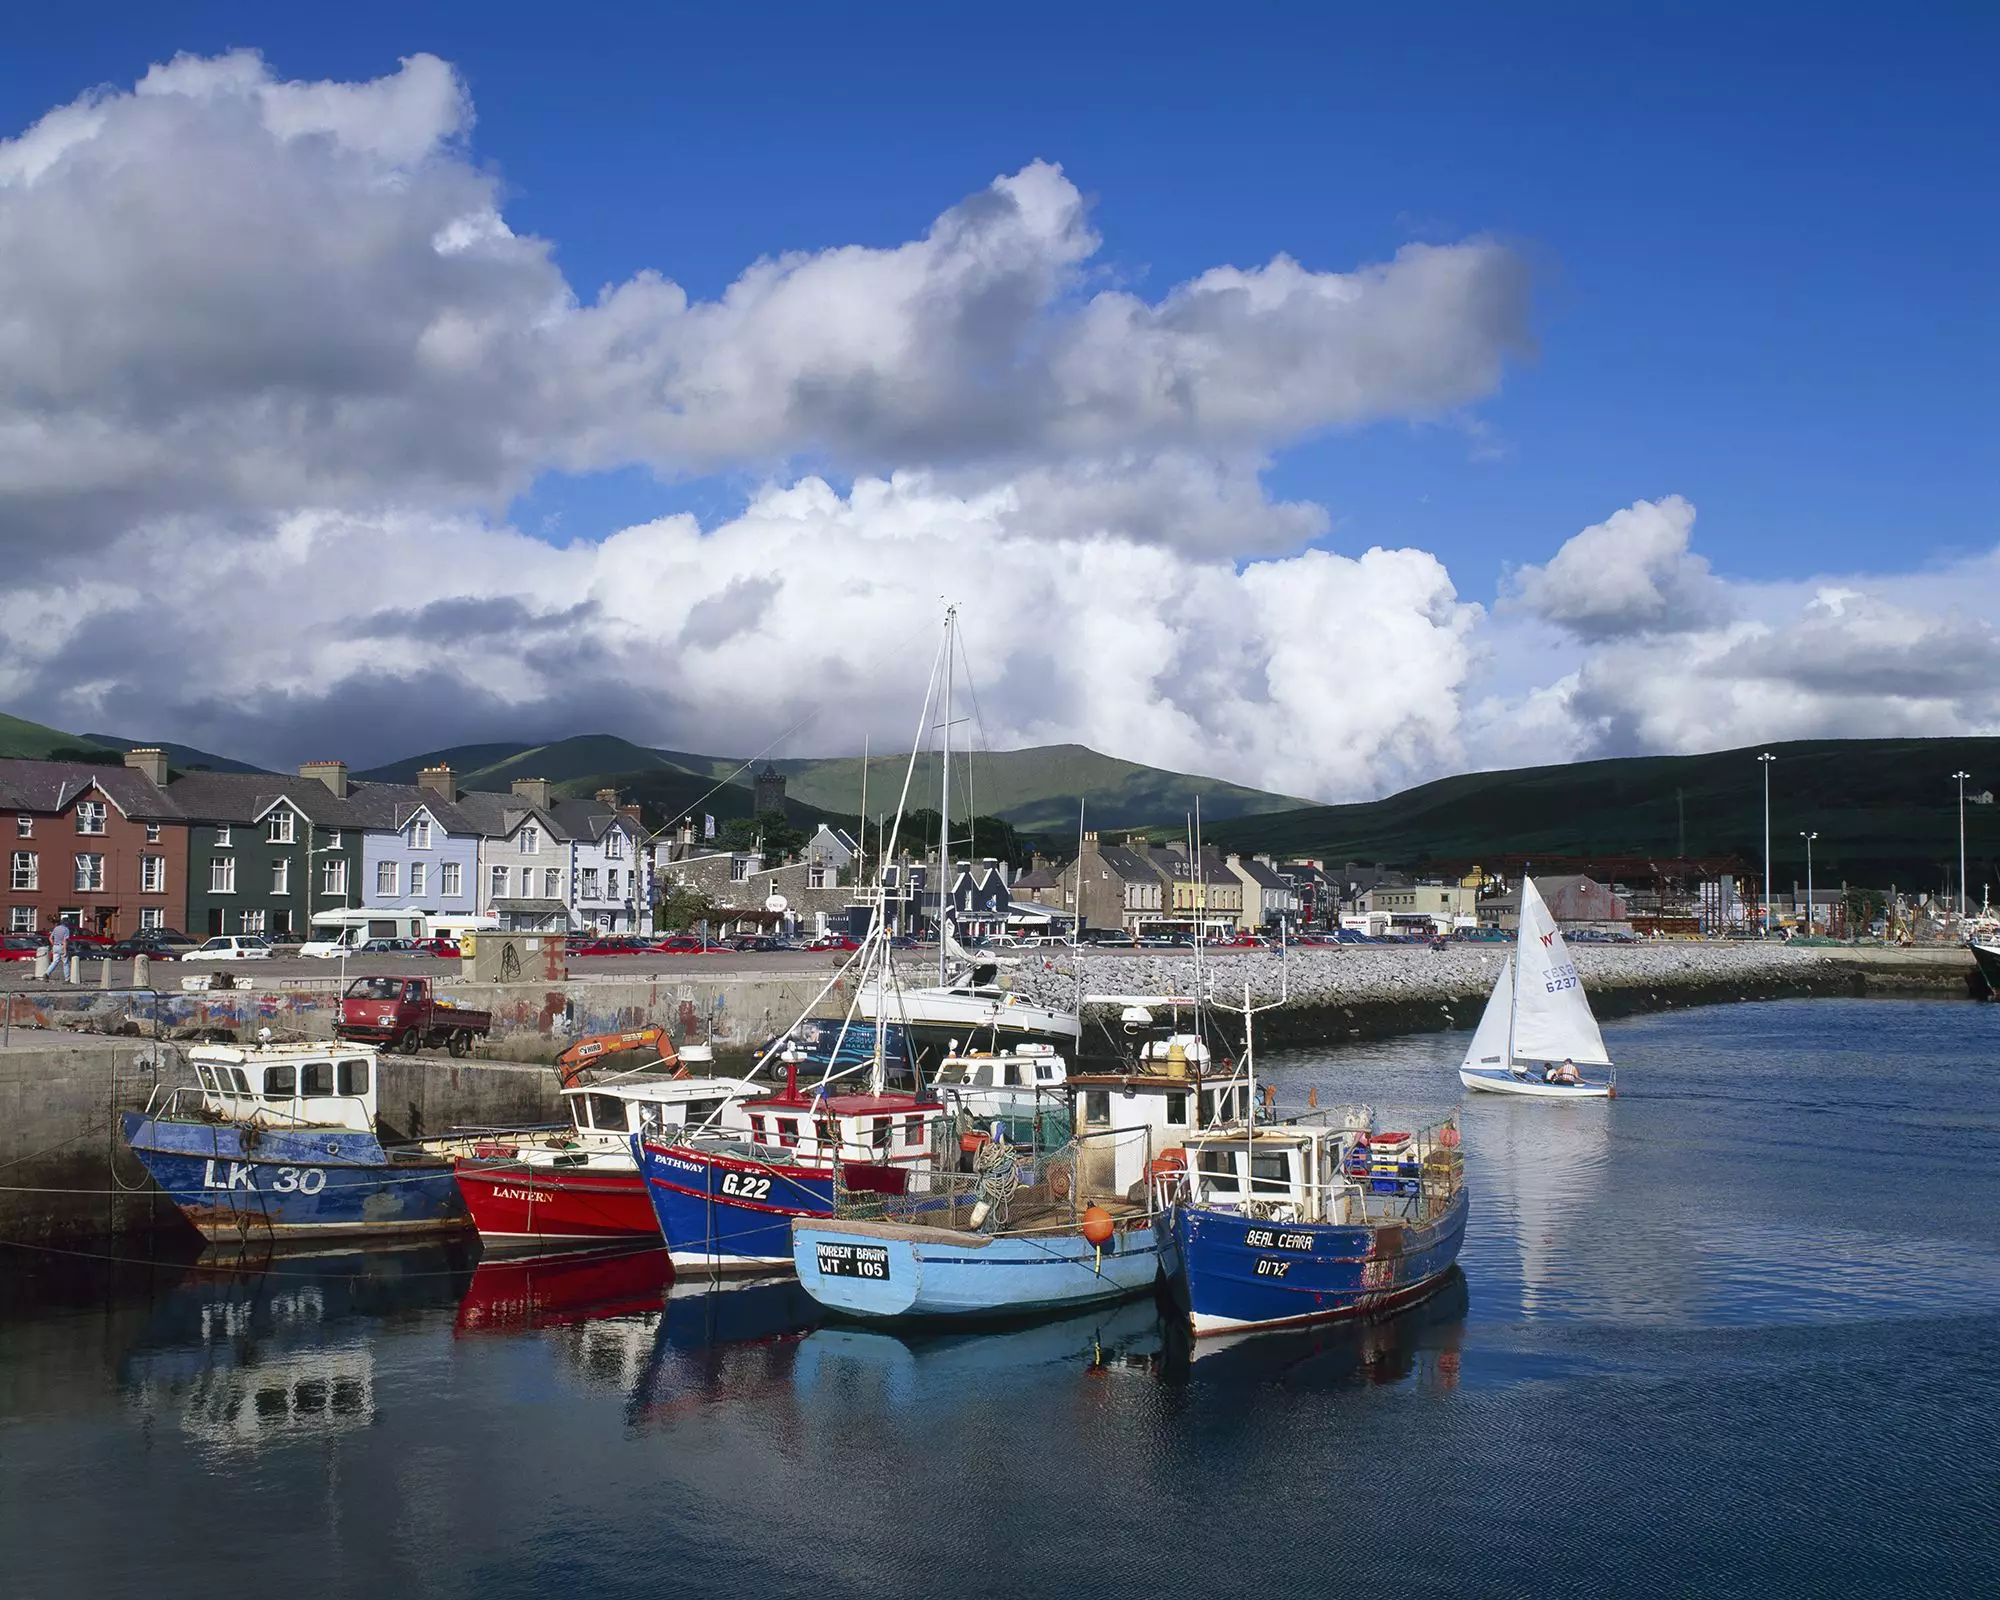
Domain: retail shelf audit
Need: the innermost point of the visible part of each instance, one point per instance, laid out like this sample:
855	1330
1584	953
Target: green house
266	852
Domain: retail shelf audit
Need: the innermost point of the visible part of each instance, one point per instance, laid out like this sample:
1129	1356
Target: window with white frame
450	880
614	845
551	882
498	880
386	876
90	816
90	871
333	838
222	834
278	827
589	889
529	841
153	917
739	870
333	877
152	874
420	834
281	875
611	883
24	827
221	874
419	878
253	922
152	833
20	919
815	877
27	870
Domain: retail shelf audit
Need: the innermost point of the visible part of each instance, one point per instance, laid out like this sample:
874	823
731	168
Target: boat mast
944	807
1520	944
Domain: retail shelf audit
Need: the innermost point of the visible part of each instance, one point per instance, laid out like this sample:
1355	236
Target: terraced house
419	849
265	852
101	848
548	862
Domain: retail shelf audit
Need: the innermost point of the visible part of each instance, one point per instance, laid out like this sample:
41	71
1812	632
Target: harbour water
1735	1332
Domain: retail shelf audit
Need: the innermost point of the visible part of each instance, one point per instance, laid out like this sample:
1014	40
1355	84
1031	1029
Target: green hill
22	739
1037	790
1885	810
181	757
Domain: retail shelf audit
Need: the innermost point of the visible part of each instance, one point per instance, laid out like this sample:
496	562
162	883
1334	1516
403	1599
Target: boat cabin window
757	1125
375	989
829	1133
788	1130
1046	1072
882	1127
1097	1107
697	1112
608	1112
955	1072
281	1083
315	1078
1222	1105
231	1080
1217	1169
1271	1172
1177	1108
913	1130
1013	1075
354	1076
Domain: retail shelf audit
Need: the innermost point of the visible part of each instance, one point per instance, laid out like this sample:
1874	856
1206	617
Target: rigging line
867	665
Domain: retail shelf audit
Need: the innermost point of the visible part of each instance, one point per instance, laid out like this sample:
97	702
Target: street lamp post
1765	761
1808	837
1961	776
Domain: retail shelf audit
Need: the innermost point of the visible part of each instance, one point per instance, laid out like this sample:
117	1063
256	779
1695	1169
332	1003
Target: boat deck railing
994	1185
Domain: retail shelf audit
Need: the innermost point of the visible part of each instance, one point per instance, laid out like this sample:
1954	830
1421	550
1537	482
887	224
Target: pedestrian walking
59	952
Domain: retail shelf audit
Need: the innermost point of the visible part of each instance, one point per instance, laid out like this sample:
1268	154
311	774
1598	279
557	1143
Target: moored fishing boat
1537	1028
279	1142
580	1186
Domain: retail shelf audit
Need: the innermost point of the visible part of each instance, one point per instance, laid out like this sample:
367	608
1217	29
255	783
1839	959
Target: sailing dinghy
1537	1017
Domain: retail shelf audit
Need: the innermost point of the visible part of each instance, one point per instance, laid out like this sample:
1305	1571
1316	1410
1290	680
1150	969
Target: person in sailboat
1566	1073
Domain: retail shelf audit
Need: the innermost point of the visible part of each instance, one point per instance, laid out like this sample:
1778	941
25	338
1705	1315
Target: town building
980	899
419	850
550	863
1425	907
1269	900
265	852
1200	888
1112	886
1578	903
828	853
768	791
101	848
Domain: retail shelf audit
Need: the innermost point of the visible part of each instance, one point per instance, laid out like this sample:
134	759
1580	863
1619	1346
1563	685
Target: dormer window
279	830
614	845
420	834
530	842
90	816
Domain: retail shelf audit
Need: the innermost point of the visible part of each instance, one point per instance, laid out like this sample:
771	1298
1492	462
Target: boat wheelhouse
279	1141
580	1185
1021	1095
1312	1218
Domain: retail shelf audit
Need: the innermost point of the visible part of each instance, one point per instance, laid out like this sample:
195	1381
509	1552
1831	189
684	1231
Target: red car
608	947
439	946
678	944
19	947
833	941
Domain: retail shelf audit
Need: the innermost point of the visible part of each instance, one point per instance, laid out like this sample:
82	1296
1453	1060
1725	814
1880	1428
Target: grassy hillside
1886	811
1037	790
22	739
181	757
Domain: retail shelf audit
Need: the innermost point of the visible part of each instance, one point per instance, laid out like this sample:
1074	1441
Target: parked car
407	1014
832	941
679	944
388	947
152	949
438	946
609	947
20	946
231	947
756	942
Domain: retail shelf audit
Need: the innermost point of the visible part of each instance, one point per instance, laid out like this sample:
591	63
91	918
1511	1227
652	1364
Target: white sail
1489	1042
1552	1020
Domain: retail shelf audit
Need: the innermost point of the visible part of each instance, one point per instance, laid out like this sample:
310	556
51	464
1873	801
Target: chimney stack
441	781
537	792
331	773
149	763
631	814
608	797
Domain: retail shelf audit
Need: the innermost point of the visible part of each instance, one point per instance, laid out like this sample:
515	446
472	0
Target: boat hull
1232	1272
516	1206
1495	1080
896	1272
728	1214
237	1184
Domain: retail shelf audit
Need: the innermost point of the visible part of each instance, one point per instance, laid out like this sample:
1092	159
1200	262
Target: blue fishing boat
1314	1218
278	1142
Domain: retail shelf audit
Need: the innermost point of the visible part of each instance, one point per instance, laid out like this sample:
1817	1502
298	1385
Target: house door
214	920
107	919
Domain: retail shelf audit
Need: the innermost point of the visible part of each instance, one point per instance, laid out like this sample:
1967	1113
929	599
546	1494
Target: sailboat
1537	1016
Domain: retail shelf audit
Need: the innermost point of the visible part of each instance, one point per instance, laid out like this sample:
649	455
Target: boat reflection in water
1420	1341
719	1338
521	1294
904	1369
247	1352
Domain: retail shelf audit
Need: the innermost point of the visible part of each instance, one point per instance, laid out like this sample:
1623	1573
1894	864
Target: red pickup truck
407	1014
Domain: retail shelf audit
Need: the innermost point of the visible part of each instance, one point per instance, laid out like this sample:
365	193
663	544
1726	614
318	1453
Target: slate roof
390	806
245	796
1265	877
1128	864
49	786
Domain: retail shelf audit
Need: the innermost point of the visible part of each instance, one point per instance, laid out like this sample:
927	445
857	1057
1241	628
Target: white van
344	932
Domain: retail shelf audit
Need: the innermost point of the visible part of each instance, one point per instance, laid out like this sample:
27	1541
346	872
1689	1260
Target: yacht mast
944	807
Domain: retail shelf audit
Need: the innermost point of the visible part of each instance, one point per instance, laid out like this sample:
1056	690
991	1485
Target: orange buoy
970	1142
1097	1226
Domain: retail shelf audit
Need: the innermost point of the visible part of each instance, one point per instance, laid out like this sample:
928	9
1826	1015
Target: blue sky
1765	249
280	318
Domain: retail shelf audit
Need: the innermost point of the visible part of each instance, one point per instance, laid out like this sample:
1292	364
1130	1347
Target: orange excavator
588	1051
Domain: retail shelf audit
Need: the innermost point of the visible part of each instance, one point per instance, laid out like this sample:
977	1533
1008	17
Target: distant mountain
463	759
1885	811
180	757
